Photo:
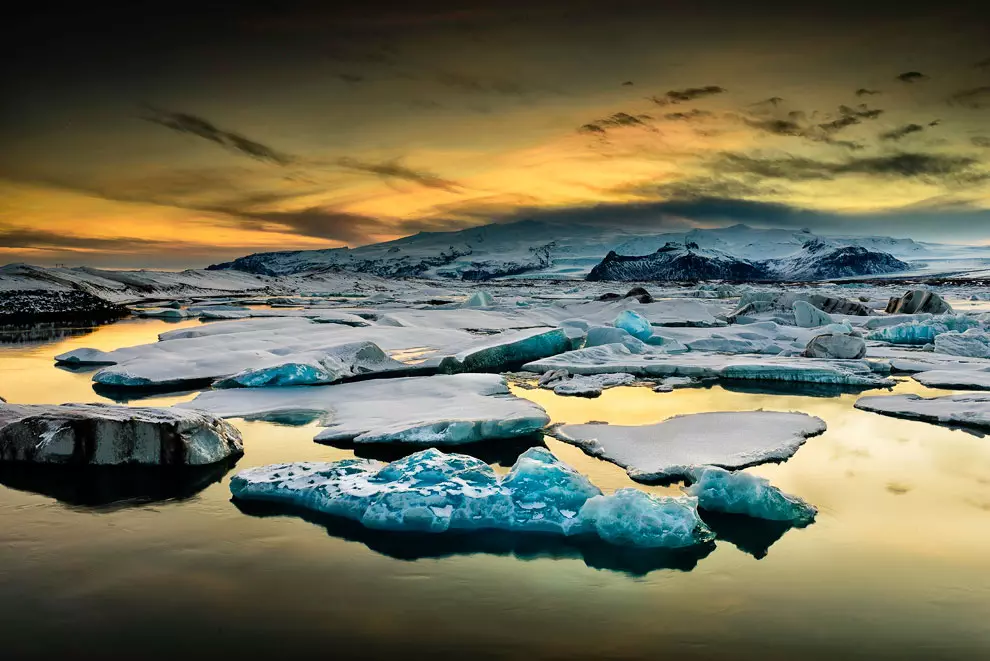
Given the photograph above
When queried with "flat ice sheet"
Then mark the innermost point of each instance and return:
(429, 410)
(668, 449)
(968, 409)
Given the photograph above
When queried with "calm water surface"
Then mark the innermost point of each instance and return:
(897, 565)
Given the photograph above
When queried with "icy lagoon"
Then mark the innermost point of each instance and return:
(896, 565)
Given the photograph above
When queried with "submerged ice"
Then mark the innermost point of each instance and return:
(719, 490)
(430, 491)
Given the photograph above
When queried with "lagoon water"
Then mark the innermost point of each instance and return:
(897, 565)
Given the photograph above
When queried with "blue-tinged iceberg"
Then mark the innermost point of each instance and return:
(506, 350)
(635, 324)
(317, 368)
(435, 492)
(924, 332)
(719, 490)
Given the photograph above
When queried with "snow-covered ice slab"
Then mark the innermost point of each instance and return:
(98, 434)
(671, 448)
(964, 379)
(968, 409)
(719, 490)
(614, 358)
(428, 410)
(435, 492)
(346, 361)
(915, 360)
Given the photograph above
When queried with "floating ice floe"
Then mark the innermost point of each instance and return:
(583, 386)
(967, 409)
(965, 379)
(318, 368)
(616, 358)
(164, 313)
(670, 448)
(428, 410)
(719, 490)
(972, 343)
(98, 434)
(434, 492)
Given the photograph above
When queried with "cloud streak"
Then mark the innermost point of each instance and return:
(202, 128)
(389, 170)
(687, 94)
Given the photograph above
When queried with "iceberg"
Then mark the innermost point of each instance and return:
(836, 345)
(430, 491)
(719, 490)
(965, 409)
(99, 434)
(506, 350)
(428, 410)
(807, 315)
(923, 332)
(319, 368)
(635, 324)
(479, 299)
(600, 335)
(670, 449)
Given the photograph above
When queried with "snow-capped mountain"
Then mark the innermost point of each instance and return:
(817, 259)
(557, 250)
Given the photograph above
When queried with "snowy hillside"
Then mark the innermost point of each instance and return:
(555, 250)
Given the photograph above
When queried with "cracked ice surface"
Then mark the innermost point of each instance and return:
(671, 448)
(969, 409)
(427, 410)
(614, 358)
(435, 492)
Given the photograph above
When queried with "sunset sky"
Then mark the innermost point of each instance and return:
(166, 136)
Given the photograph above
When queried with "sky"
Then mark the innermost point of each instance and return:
(171, 135)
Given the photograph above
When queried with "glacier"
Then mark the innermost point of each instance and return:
(426, 410)
(670, 448)
(430, 491)
(719, 490)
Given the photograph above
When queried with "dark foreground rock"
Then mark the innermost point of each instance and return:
(43, 304)
(104, 435)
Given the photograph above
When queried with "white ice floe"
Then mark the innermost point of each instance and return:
(615, 358)
(964, 379)
(719, 490)
(223, 349)
(670, 448)
(433, 410)
(972, 343)
(317, 368)
(430, 491)
(968, 409)
(98, 434)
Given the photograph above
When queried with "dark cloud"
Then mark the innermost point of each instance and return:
(904, 165)
(862, 91)
(983, 64)
(902, 131)
(975, 98)
(394, 170)
(617, 121)
(689, 116)
(193, 125)
(479, 85)
(687, 94)
(912, 77)
(779, 127)
(628, 83)
(351, 78)
(46, 240)
(318, 222)
(980, 141)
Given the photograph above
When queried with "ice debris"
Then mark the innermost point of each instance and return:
(670, 448)
(430, 491)
(719, 490)
(971, 343)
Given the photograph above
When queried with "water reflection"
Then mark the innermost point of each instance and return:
(112, 487)
(749, 535)
(48, 331)
(412, 546)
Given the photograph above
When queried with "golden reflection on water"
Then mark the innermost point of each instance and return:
(897, 561)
